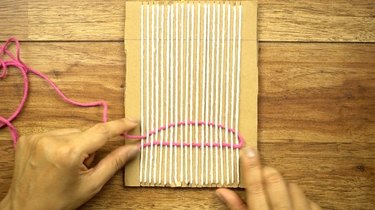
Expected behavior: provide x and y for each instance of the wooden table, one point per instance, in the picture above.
(316, 93)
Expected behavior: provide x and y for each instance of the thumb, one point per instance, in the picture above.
(115, 160)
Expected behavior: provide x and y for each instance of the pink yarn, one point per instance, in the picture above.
(15, 61)
(196, 144)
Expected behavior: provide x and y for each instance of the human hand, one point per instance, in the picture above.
(265, 189)
(52, 170)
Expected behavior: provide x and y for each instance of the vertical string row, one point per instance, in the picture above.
(207, 93)
(232, 103)
(162, 95)
(238, 81)
(172, 97)
(221, 94)
(157, 47)
(147, 87)
(176, 94)
(182, 80)
(204, 59)
(185, 131)
(190, 72)
(217, 93)
(167, 92)
(190, 180)
(197, 77)
(152, 118)
(141, 93)
(212, 90)
(227, 95)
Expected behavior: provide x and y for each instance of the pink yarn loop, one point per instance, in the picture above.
(16, 62)
(196, 143)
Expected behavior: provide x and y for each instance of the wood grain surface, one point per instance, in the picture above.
(287, 20)
(316, 94)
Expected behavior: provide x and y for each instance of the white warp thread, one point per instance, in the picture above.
(197, 92)
(181, 87)
(142, 96)
(162, 121)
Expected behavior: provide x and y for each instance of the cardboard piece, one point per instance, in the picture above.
(248, 88)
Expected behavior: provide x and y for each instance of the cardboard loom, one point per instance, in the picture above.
(248, 85)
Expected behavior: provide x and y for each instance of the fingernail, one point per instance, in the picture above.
(250, 152)
(134, 150)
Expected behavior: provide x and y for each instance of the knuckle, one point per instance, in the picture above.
(101, 128)
(66, 151)
(66, 155)
(41, 143)
(272, 176)
(252, 167)
(252, 164)
(256, 188)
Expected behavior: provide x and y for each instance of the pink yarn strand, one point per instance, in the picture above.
(197, 144)
(16, 62)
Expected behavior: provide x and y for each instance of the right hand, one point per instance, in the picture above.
(266, 189)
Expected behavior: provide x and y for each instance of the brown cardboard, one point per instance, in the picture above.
(249, 77)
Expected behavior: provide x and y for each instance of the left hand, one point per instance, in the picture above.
(52, 170)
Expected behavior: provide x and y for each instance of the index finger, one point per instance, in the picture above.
(95, 137)
(252, 173)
